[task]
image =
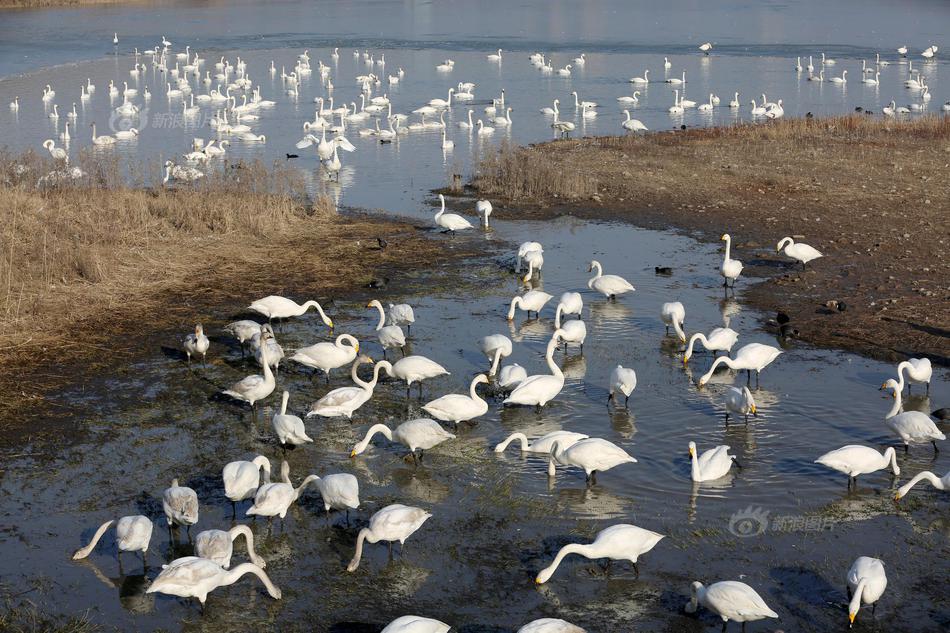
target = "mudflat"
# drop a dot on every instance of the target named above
(871, 194)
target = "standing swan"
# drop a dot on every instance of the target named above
(940, 483)
(570, 303)
(731, 268)
(132, 534)
(345, 400)
(919, 371)
(866, 584)
(533, 300)
(395, 522)
(421, 434)
(181, 505)
(730, 600)
(608, 285)
(624, 380)
(593, 455)
(194, 577)
(540, 389)
(913, 427)
(289, 429)
(754, 356)
(274, 307)
(495, 347)
(340, 491)
(673, 313)
(739, 402)
(242, 479)
(328, 355)
(415, 369)
(451, 222)
(854, 460)
(618, 542)
(802, 253)
(456, 407)
(252, 388)
(218, 545)
(719, 339)
(275, 499)
(196, 343)
(389, 335)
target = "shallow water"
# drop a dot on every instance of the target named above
(497, 519)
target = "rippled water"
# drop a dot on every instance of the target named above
(497, 519)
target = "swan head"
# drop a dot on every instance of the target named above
(724, 237)
(692, 449)
(891, 384)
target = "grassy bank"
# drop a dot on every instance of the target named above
(88, 269)
(867, 192)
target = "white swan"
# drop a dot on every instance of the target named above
(843, 79)
(276, 307)
(632, 125)
(913, 427)
(866, 584)
(730, 600)
(511, 376)
(676, 80)
(641, 80)
(339, 491)
(450, 221)
(58, 153)
(417, 623)
(731, 268)
(180, 504)
(252, 388)
(535, 260)
(735, 101)
(919, 372)
(196, 343)
(676, 108)
(608, 285)
(739, 402)
(345, 400)
(328, 355)
(495, 57)
(389, 335)
(415, 369)
(101, 140)
(132, 534)
(593, 455)
(218, 545)
(569, 303)
(543, 444)
(719, 339)
(553, 110)
(495, 347)
(712, 464)
(751, 357)
(622, 380)
(540, 389)
(402, 314)
(673, 313)
(531, 301)
(456, 407)
(757, 110)
(421, 434)
(289, 429)
(484, 209)
(524, 248)
(195, 577)
(550, 625)
(618, 542)
(395, 522)
(802, 253)
(634, 98)
(854, 460)
(940, 483)
(574, 331)
(274, 499)
(242, 478)
(706, 47)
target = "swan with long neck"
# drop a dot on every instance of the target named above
(593, 455)
(570, 303)
(253, 388)
(854, 460)
(919, 372)
(456, 407)
(802, 253)
(940, 483)
(617, 542)
(531, 301)
(289, 429)
(866, 584)
(328, 355)
(731, 268)
(608, 285)
(218, 545)
(712, 464)
(539, 389)
(543, 444)
(132, 534)
(751, 357)
(345, 400)
(495, 347)
(739, 402)
(274, 499)
(195, 577)
(451, 222)
(395, 522)
(275, 307)
(913, 427)
(673, 313)
(389, 335)
(719, 339)
(622, 380)
(420, 434)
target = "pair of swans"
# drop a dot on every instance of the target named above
(451, 222)
(345, 400)
(720, 339)
(802, 253)
(389, 336)
(256, 387)
(195, 577)
(420, 434)
(328, 355)
(276, 307)
(854, 460)
(395, 522)
(608, 285)
(751, 357)
(539, 389)
(622, 542)
(913, 427)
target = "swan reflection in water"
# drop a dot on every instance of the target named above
(131, 588)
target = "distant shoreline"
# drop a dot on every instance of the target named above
(865, 191)
(58, 4)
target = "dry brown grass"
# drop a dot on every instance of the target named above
(99, 265)
(870, 193)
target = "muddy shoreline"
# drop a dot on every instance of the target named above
(885, 256)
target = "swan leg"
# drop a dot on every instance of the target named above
(610, 396)
(420, 390)
(626, 401)
(934, 442)
(233, 510)
(421, 453)
(736, 462)
(727, 418)
(724, 624)
(636, 568)
(390, 550)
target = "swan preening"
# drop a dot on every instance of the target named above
(242, 478)
(618, 542)
(181, 505)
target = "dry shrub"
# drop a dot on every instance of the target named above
(518, 173)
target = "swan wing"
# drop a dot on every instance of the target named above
(737, 598)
